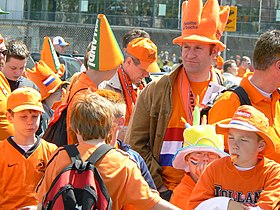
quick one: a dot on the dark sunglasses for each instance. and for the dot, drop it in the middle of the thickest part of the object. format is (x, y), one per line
(3, 52)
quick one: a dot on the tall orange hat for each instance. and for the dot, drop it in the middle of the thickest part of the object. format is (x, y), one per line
(105, 53)
(45, 79)
(203, 24)
(49, 56)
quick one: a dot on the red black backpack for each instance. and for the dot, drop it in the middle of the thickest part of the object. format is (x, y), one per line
(79, 185)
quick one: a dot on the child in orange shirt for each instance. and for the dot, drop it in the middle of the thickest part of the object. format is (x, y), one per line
(92, 118)
(246, 179)
(201, 146)
(24, 156)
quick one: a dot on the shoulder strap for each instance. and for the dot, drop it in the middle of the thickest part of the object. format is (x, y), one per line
(99, 153)
(242, 95)
(73, 152)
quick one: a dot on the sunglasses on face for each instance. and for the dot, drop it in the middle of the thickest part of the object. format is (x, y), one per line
(3, 52)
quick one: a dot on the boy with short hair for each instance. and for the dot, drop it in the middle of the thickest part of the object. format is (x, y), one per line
(201, 146)
(24, 156)
(92, 118)
(246, 179)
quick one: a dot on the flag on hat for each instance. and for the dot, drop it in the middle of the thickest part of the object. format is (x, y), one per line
(105, 53)
(44, 78)
(49, 56)
(203, 24)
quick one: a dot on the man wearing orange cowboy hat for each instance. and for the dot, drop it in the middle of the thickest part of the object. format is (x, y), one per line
(155, 130)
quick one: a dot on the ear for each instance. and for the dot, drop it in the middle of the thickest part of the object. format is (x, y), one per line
(215, 51)
(121, 121)
(261, 146)
(277, 65)
(9, 117)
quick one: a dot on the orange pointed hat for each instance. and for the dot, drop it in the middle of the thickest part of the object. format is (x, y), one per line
(203, 24)
(49, 56)
(105, 53)
(44, 78)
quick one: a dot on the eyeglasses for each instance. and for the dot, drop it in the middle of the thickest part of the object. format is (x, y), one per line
(200, 155)
(3, 52)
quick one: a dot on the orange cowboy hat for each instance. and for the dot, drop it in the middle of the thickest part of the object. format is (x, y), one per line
(203, 24)
(45, 79)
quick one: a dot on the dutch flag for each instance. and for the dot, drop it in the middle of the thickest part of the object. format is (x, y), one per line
(48, 80)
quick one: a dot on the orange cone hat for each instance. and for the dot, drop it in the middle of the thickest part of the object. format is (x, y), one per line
(49, 56)
(105, 53)
(44, 78)
(203, 24)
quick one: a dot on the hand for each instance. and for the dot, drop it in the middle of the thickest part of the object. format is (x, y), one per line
(233, 205)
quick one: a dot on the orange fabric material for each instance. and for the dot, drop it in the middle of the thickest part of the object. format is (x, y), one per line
(196, 18)
(6, 128)
(221, 178)
(83, 82)
(120, 174)
(129, 93)
(182, 193)
(242, 71)
(20, 175)
(227, 104)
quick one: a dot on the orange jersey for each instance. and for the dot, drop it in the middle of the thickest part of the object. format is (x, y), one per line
(6, 128)
(182, 193)
(21, 171)
(259, 185)
(80, 85)
(120, 174)
(227, 104)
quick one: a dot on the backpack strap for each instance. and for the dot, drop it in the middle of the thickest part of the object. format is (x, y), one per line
(99, 153)
(242, 95)
(73, 152)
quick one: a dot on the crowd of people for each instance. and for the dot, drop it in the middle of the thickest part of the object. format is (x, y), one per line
(167, 152)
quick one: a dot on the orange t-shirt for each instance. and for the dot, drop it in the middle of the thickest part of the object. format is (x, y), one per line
(21, 171)
(227, 104)
(80, 86)
(242, 71)
(120, 174)
(6, 128)
(182, 193)
(259, 185)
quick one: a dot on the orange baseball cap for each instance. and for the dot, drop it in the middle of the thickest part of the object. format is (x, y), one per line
(44, 78)
(146, 51)
(105, 53)
(203, 24)
(248, 118)
(24, 98)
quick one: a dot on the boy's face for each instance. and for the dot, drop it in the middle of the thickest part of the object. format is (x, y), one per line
(244, 147)
(197, 162)
(26, 122)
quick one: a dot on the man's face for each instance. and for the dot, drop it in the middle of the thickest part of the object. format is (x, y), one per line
(26, 122)
(197, 57)
(234, 69)
(14, 68)
(244, 147)
(135, 72)
(59, 49)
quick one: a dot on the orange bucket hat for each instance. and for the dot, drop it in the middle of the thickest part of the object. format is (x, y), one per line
(203, 24)
(248, 118)
(146, 51)
(45, 79)
(105, 53)
(49, 56)
(25, 98)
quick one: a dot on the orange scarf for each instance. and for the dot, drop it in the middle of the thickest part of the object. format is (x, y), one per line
(130, 94)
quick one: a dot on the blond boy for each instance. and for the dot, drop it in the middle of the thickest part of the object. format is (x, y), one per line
(246, 179)
(24, 156)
